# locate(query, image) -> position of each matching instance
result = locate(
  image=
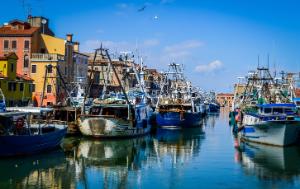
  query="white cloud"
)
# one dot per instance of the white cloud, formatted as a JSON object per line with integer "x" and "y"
{"x": 151, "y": 42}
{"x": 90, "y": 45}
{"x": 180, "y": 50}
{"x": 210, "y": 67}
{"x": 183, "y": 46}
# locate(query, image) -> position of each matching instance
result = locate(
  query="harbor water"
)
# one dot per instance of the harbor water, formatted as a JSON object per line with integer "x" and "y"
{"x": 206, "y": 157}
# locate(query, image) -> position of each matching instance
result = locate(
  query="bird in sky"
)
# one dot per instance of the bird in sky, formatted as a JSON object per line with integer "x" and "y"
{"x": 142, "y": 8}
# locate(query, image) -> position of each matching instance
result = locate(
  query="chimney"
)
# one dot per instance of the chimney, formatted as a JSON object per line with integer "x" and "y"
{"x": 76, "y": 46}
{"x": 69, "y": 37}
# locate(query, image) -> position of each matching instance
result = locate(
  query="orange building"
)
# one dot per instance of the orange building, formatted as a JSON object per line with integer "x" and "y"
{"x": 39, "y": 50}
{"x": 23, "y": 38}
{"x": 225, "y": 99}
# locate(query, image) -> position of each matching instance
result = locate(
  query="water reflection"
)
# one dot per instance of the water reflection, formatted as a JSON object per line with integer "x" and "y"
{"x": 108, "y": 161}
{"x": 210, "y": 121}
{"x": 179, "y": 143}
{"x": 38, "y": 171}
{"x": 268, "y": 162}
{"x": 109, "y": 164}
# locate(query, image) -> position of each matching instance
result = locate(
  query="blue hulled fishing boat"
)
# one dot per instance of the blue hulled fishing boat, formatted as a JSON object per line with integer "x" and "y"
{"x": 178, "y": 117}
{"x": 178, "y": 104}
{"x": 211, "y": 103}
{"x": 22, "y": 134}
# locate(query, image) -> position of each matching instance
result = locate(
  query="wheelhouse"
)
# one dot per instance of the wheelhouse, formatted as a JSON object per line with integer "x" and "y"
{"x": 277, "y": 109}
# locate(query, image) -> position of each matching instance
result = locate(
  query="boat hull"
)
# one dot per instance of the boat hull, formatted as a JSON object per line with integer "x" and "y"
{"x": 16, "y": 145}
{"x": 167, "y": 119}
{"x": 278, "y": 133}
{"x": 101, "y": 127}
{"x": 213, "y": 108}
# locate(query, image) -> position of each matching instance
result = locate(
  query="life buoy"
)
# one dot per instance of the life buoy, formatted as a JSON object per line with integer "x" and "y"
{"x": 20, "y": 123}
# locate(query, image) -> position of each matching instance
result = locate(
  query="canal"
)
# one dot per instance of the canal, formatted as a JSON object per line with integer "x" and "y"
{"x": 207, "y": 157}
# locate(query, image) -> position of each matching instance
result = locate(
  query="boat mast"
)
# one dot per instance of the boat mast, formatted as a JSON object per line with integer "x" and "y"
{"x": 105, "y": 82}
{"x": 87, "y": 91}
{"x": 119, "y": 81}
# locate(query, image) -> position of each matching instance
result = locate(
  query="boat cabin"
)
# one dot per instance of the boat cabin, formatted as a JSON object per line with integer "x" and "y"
{"x": 111, "y": 110}
{"x": 13, "y": 122}
{"x": 277, "y": 109}
{"x": 28, "y": 121}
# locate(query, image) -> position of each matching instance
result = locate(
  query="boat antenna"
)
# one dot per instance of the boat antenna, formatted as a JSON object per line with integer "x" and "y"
{"x": 91, "y": 78}
{"x": 258, "y": 61}
{"x": 119, "y": 81}
{"x": 268, "y": 61}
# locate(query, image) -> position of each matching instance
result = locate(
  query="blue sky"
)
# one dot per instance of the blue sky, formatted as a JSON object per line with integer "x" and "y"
{"x": 216, "y": 40}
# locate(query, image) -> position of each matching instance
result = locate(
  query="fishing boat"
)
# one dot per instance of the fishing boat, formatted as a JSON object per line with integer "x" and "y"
{"x": 172, "y": 113}
{"x": 25, "y": 132}
{"x": 213, "y": 107}
{"x": 120, "y": 116}
{"x": 178, "y": 105}
{"x": 267, "y": 114}
{"x": 211, "y": 103}
{"x": 274, "y": 124}
{"x": 115, "y": 119}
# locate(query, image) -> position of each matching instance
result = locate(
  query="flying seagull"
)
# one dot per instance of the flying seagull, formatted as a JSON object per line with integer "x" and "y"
{"x": 142, "y": 8}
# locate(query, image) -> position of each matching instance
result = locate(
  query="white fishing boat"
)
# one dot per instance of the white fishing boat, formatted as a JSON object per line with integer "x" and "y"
{"x": 107, "y": 120}
{"x": 273, "y": 124}
{"x": 122, "y": 116}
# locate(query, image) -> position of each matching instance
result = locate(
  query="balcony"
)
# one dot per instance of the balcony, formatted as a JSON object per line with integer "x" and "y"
{"x": 42, "y": 57}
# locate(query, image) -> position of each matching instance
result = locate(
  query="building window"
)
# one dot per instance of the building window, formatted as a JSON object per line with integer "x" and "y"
{"x": 6, "y": 44}
{"x": 49, "y": 69}
{"x": 21, "y": 86}
{"x": 33, "y": 68}
{"x": 49, "y": 88}
{"x": 14, "y": 44}
{"x": 11, "y": 67}
{"x": 26, "y": 61}
{"x": 26, "y": 45}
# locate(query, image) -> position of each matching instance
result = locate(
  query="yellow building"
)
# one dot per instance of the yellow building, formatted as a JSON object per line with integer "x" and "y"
{"x": 16, "y": 88}
{"x": 52, "y": 58}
